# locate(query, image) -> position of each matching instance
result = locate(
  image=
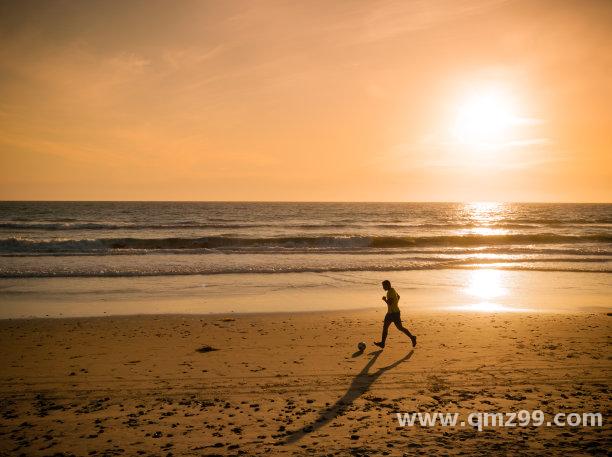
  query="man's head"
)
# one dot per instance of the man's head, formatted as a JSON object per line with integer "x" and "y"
{"x": 386, "y": 284}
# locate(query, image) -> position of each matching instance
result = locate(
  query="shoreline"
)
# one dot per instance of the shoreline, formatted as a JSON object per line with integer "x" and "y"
{"x": 399, "y": 269}
{"x": 222, "y": 315}
{"x": 198, "y": 315}
{"x": 487, "y": 290}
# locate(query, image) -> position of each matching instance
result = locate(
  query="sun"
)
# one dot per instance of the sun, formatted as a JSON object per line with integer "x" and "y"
{"x": 485, "y": 118}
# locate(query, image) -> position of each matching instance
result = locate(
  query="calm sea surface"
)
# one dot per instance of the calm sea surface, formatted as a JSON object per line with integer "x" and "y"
{"x": 90, "y": 239}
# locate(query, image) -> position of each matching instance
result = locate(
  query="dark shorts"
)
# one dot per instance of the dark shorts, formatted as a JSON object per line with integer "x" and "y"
{"x": 393, "y": 318}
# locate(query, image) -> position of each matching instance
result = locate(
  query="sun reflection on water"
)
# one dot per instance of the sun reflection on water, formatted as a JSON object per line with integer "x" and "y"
{"x": 485, "y": 286}
{"x": 486, "y": 307}
{"x": 482, "y": 218}
{"x": 486, "y": 231}
{"x": 485, "y": 212}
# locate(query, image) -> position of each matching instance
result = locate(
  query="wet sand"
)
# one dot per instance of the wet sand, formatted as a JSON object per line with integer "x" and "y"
{"x": 292, "y": 384}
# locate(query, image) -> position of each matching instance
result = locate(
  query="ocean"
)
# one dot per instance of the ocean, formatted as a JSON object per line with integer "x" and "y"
{"x": 124, "y": 239}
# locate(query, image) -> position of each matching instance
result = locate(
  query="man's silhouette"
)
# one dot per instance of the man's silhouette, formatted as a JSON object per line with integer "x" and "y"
{"x": 393, "y": 315}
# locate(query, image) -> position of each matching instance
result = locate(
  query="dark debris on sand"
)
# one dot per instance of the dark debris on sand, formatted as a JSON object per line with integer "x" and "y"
{"x": 206, "y": 348}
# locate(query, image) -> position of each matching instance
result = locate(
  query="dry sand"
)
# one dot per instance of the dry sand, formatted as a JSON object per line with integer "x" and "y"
{"x": 291, "y": 384}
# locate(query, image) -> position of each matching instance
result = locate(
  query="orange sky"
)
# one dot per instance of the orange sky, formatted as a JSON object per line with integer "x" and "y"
{"x": 312, "y": 100}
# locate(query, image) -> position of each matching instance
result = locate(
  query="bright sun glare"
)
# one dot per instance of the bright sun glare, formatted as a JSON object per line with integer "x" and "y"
{"x": 485, "y": 118}
{"x": 486, "y": 284}
{"x": 487, "y": 287}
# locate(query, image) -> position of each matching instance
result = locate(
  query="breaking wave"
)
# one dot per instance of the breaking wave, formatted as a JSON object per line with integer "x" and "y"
{"x": 109, "y": 245}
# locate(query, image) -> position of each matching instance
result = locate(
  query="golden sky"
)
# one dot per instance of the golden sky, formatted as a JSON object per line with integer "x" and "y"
{"x": 424, "y": 100}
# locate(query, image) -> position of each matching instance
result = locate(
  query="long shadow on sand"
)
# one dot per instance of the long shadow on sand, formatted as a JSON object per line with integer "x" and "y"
{"x": 361, "y": 384}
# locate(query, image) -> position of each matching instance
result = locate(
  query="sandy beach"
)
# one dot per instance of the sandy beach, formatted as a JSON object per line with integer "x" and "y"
{"x": 292, "y": 384}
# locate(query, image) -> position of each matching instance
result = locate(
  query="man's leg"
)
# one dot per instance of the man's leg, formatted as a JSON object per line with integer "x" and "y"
{"x": 401, "y": 328}
{"x": 385, "y": 332}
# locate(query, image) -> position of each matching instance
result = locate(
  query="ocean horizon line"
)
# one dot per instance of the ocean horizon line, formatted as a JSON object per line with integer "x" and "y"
{"x": 465, "y": 202}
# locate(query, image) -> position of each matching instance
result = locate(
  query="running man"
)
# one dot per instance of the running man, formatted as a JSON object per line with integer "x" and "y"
{"x": 393, "y": 315}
